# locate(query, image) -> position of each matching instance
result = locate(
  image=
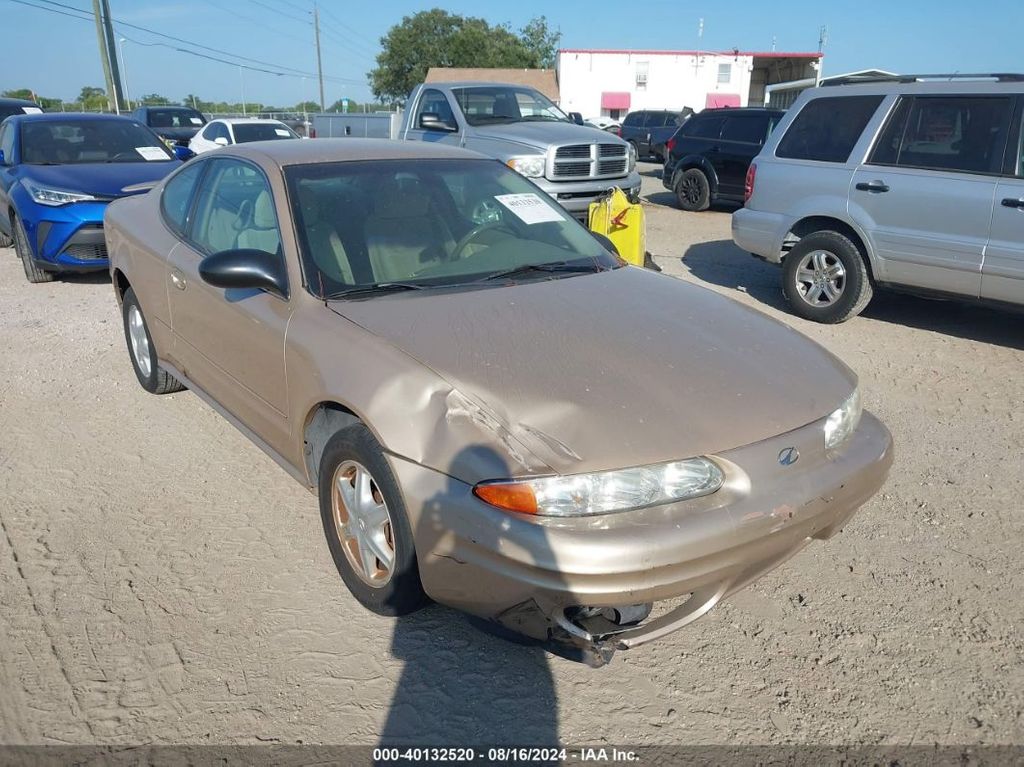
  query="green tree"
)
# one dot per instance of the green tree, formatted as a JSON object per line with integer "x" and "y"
{"x": 308, "y": 106}
{"x": 541, "y": 41}
{"x": 436, "y": 38}
{"x": 154, "y": 100}
{"x": 93, "y": 99}
{"x": 29, "y": 95}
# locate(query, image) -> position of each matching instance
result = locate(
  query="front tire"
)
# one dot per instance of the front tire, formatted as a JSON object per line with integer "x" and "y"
{"x": 825, "y": 278}
{"x": 32, "y": 272}
{"x": 152, "y": 377}
{"x": 693, "y": 192}
{"x": 366, "y": 524}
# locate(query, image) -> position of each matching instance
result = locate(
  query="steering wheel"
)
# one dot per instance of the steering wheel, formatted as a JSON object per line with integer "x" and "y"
{"x": 475, "y": 233}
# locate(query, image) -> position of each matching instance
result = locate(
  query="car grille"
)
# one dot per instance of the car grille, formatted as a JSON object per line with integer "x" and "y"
{"x": 86, "y": 252}
{"x": 582, "y": 161}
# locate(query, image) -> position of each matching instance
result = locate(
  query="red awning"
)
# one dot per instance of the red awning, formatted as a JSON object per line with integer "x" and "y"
{"x": 715, "y": 100}
{"x": 611, "y": 100}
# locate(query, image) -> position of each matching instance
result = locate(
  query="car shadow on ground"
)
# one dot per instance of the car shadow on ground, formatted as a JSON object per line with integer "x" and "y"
{"x": 85, "y": 278}
{"x": 667, "y": 199}
{"x": 720, "y": 262}
{"x": 459, "y": 684}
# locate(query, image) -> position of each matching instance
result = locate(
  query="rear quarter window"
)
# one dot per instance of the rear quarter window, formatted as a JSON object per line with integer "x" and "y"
{"x": 827, "y": 129}
{"x": 176, "y": 200}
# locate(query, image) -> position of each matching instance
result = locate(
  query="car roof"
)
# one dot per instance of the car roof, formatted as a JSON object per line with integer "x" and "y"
{"x": 741, "y": 110}
{"x": 169, "y": 106}
{"x": 247, "y": 121}
{"x": 282, "y": 153}
{"x": 921, "y": 87}
{"x": 477, "y": 83}
{"x": 56, "y": 117}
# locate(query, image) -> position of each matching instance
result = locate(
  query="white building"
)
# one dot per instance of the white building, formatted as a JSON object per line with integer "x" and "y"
{"x": 610, "y": 83}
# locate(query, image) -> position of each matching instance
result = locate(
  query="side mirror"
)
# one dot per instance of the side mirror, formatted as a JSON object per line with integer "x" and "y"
{"x": 245, "y": 268}
{"x": 576, "y": 117}
{"x": 220, "y": 141}
{"x": 183, "y": 153}
{"x": 433, "y": 121}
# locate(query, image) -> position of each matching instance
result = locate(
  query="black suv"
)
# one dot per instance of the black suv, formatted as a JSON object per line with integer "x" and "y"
{"x": 10, "y": 107}
{"x": 175, "y": 124}
{"x": 648, "y": 129}
{"x": 708, "y": 157}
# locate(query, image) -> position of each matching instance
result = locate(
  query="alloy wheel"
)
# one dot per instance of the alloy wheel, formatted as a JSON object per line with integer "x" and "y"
{"x": 139, "y": 341}
{"x": 363, "y": 523}
{"x": 820, "y": 278}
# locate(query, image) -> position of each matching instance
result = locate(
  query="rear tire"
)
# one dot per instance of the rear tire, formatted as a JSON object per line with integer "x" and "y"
{"x": 141, "y": 350}
{"x": 381, "y": 570}
{"x": 32, "y": 272}
{"x": 825, "y": 278}
{"x": 693, "y": 192}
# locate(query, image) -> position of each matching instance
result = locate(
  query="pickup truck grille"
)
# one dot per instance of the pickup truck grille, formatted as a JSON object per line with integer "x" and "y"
{"x": 583, "y": 161}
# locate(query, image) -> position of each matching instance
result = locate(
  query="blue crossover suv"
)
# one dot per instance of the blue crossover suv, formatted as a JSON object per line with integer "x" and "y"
{"x": 58, "y": 171}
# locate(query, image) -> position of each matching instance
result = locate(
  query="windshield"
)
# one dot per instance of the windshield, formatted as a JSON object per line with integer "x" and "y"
{"x": 431, "y": 223}
{"x": 487, "y": 105}
{"x": 246, "y": 132}
{"x": 175, "y": 118}
{"x": 117, "y": 139}
{"x": 6, "y": 110}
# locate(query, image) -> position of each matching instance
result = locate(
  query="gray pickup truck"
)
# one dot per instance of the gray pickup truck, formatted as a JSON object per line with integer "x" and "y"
{"x": 524, "y": 129}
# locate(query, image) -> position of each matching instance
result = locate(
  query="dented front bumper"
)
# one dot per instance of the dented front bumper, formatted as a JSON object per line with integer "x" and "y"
{"x": 533, "y": 574}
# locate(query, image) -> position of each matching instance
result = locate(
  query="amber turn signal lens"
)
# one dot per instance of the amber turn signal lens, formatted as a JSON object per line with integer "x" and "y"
{"x": 510, "y": 497}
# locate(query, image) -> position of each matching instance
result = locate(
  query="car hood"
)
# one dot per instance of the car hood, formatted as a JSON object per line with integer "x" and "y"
{"x": 100, "y": 179}
{"x": 543, "y": 134}
{"x": 614, "y": 369}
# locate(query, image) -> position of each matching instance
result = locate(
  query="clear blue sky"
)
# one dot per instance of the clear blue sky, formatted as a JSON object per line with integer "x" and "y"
{"x": 56, "y": 55}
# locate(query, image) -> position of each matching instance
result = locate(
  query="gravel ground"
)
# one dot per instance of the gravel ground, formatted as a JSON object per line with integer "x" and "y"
{"x": 162, "y": 581}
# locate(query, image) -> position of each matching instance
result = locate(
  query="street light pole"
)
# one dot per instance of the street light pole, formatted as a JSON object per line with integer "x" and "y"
{"x": 124, "y": 73}
{"x": 241, "y": 76}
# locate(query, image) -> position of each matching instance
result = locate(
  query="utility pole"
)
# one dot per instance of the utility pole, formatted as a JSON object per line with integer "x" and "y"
{"x": 319, "y": 68}
{"x": 104, "y": 56}
{"x": 115, "y": 74}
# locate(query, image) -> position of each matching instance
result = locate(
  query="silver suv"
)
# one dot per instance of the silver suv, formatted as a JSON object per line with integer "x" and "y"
{"x": 913, "y": 182}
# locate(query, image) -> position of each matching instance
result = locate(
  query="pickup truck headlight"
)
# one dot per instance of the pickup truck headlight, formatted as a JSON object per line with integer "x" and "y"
{"x": 842, "y": 421}
{"x": 54, "y": 197}
{"x": 632, "y": 159}
{"x": 581, "y": 495}
{"x": 531, "y": 167}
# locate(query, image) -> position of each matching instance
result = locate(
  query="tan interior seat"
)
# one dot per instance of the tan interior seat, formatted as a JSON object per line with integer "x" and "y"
{"x": 403, "y": 236}
{"x": 325, "y": 245}
{"x": 257, "y": 225}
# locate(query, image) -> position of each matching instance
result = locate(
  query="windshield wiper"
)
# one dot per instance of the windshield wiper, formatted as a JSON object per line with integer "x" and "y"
{"x": 557, "y": 267}
{"x": 381, "y": 287}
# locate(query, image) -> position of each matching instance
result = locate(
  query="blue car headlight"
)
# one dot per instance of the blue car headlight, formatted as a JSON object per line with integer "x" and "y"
{"x": 54, "y": 197}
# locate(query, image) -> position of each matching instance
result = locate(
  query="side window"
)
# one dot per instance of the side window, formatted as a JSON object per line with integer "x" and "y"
{"x": 7, "y": 143}
{"x": 434, "y": 102}
{"x": 827, "y": 128}
{"x": 223, "y": 132}
{"x": 633, "y": 119}
{"x": 750, "y": 130}
{"x": 958, "y": 133}
{"x": 210, "y": 131}
{"x": 709, "y": 127}
{"x": 176, "y": 199}
{"x": 235, "y": 209}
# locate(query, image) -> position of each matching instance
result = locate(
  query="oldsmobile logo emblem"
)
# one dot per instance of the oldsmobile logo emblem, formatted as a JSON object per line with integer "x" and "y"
{"x": 789, "y": 456}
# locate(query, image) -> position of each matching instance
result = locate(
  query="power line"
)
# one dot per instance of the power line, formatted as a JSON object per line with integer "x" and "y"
{"x": 279, "y": 69}
{"x": 279, "y": 11}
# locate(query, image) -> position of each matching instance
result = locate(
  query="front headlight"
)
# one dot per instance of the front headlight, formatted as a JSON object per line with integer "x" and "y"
{"x": 54, "y": 197}
{"x": 632, "y": 158}
{"x": 581, "y": 495}
{"x": 531, "y": 167}
{"x": 842, "y": 422}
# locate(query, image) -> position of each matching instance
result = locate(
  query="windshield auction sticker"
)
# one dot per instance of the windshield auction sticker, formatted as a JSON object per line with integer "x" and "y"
{"x": 151, "y": 152}
{"x": 530, "y": 208}
{"x": 282, "y": 132}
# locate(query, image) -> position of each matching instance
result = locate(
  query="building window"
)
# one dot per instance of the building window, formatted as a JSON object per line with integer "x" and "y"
{"x": 725, "y": 73}
{"x": 641, "y": 75}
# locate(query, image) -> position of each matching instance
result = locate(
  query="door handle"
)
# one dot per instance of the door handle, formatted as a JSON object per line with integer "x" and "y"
{"x": 177, "y": 280}
{"x": 1013, "y": 202}
{"x": 872, "y": 186}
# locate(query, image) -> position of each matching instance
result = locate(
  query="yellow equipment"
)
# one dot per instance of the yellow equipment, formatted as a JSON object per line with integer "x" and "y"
{"x": 621, "y": 221}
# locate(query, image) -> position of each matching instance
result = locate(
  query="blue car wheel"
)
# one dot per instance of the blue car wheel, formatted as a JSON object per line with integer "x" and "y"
{"x": 32, "y": 272}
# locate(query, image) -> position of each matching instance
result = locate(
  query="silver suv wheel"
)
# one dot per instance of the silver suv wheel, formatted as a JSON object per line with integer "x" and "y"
{"x": 820, "y": 278}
